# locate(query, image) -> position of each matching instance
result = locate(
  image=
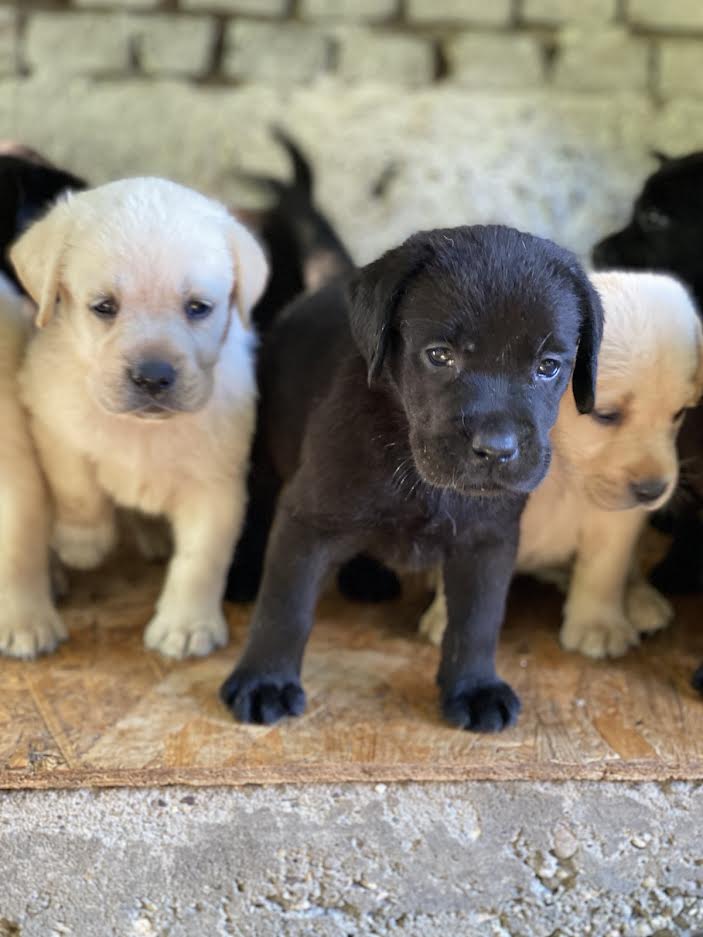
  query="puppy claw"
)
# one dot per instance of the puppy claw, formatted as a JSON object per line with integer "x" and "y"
{"x": 262, "y": 698}
{"x": 609, "y": 634}
{"x": 488, "y": 708}
{"x": 30, "y": 629}
{"x": 83, "y": 547}
{"x": 195, "y": 637}
{"x": 647, "y": 609}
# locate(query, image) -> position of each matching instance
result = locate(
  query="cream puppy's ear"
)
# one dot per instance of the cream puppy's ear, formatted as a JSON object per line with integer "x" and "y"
{"x": 37, "y": 257}
{"x": 251, "y": 269}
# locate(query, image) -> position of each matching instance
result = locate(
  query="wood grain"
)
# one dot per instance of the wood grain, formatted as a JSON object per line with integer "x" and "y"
{"x": 103, "y": 711}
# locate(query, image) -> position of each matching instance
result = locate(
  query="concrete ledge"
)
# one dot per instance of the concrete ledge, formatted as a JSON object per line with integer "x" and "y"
{"x": 523, "y": 859}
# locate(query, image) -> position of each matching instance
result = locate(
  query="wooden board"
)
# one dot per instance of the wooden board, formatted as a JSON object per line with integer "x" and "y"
{"x": 103, "y": 711}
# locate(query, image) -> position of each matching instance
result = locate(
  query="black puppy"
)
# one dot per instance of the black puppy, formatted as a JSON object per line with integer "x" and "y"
{"x": 665, "y": 234}
{"x": 406, "y": 411}
{"x": 28, "y": 185}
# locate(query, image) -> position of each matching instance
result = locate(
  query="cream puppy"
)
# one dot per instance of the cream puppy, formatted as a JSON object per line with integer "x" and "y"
{"x": 611, "y": 467}
{"x": 29, "y": 623}
{"x": 141, "y": 382}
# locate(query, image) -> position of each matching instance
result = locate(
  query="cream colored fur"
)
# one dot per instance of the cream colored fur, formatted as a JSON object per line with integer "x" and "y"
{"x": 581, "y": 526}
{"x": 29, "y": 624}
{"x": 150, "y": 244}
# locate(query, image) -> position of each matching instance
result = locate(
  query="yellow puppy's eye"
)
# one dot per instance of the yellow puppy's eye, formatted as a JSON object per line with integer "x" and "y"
{"x": 607, "y": 417}
{"x": 106, "y": 308}
{"x": 198, "y": 308}
{"x": 677, "y": 416}
{"x": 440, "y": 356}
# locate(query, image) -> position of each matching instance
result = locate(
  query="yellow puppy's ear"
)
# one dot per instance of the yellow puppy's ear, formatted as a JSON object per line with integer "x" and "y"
{"x": 251, "y": 269}
{"x": 37, "y": 258}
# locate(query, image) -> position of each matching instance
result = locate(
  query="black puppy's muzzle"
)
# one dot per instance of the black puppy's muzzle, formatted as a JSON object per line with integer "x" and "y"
{"x": 153, "y": 377}
{"x": 494, "y": 445}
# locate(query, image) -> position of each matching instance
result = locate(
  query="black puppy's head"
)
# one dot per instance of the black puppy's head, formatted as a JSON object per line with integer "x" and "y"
{"x": 666, "y": 227}
{"x": 477, "y": 331}
{"x": 27, "y": 189}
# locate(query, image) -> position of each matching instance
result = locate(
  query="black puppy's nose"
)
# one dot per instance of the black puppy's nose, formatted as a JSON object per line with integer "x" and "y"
{"x": 648, "y": 490}
{"x": 153, "y": 376}
{"x": 499, "y": 445}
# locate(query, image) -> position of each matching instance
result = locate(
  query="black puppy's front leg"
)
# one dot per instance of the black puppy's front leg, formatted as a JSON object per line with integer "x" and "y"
{"x": 476, "y": 582}
{"x": 265, "y": 685}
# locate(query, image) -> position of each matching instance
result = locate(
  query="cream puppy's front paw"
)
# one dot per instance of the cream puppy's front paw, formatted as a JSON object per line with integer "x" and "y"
{"x": 434, "y": 621}
{"x": 647, "y": 609}
{"x": 178, "y": 634}
{"x": 603, "y": 632}
{"x": 29, "y": 626}
{"x": 82, "y": 546}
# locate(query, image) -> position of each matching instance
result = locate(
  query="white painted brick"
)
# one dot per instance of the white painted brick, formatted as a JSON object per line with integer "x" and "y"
{"x": 277, "y": 53}
{"x": 681, "y": 67}
{"x": 568, "y": 11}
{"x": 666, "y": 14}
{"x": 363, "y": 10}
{"x": 607, "y": 60}
{"x": 124, "y": 4}
{"x": 8, "y": 40}
{"x": 255, "y": 7}
{"x": 72, "y": 43}
{"x": 177, "y": 45}
{"x": 378, "y": 56}
{"x": 488, "y": 12}
{"x": 490, "y": 61}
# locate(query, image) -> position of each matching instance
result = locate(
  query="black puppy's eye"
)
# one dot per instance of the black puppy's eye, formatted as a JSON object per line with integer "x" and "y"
{"x": 677, "y": 416}
{"x": 440, "y": 356}
{"x": 607, "y": 417}
{"x": 198, "y": 308}
{"x": 105, "y": 308}
{"x": 548, "y": 368}
{"x": 650, "y": 219}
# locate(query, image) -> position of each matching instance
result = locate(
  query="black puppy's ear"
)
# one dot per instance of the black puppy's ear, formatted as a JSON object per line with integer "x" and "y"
{"x": 583, "y": 380}
{"x": 374, "y": 293}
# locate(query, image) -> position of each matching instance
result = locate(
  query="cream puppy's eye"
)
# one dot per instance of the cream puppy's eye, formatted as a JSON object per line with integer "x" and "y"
{"x": 677, "y": 416}
{"x": 106, "y": 308}
{"x": 198, "y": 308}
{"x": 440, "y": 356}
{"x": 607, "y": 417}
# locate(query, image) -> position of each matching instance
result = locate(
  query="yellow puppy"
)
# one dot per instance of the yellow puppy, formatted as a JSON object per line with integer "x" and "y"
{"x": 141, "y": 383}
{"x": 611, "y": 467}
{"x": 29, "y": 623}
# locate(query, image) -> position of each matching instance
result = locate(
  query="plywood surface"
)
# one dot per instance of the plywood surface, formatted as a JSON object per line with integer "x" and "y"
{"x": 104, "y": 711}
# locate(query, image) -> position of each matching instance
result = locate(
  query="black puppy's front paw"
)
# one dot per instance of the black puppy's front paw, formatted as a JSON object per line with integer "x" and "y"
{"x": 697, "y": 680}
{"x": 263, "y": 698}
{"x": 490, "y": 707}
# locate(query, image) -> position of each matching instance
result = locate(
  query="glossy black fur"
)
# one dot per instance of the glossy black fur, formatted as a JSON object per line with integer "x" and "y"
{"x": 27, "y": 189}
{"x": 376, "y": 451}
{"x": 665, "y": 234}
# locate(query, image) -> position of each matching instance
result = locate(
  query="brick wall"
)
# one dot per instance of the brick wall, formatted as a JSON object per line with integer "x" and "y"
{"x": 538, "y": 112}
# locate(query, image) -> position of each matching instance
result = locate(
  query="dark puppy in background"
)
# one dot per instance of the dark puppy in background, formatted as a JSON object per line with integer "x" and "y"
{"x": 405, "y": 412}
{"x": 665, "y": 234}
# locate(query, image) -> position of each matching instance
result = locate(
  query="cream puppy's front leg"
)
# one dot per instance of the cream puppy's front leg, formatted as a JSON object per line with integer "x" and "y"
{"x": 595, "y": 618}
{"x": 84, "y": 528}
{"x": 189, "y": 618}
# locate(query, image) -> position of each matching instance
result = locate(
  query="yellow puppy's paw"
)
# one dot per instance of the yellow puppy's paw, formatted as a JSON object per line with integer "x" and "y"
{"x": 434, "y": 621}
{"x": 605, "y": 633}
{"x": 181, "y": 635}
{"x": 647, "y": 609}
{"x": 81, "y": 546}
{"x": 29, "y": 626}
